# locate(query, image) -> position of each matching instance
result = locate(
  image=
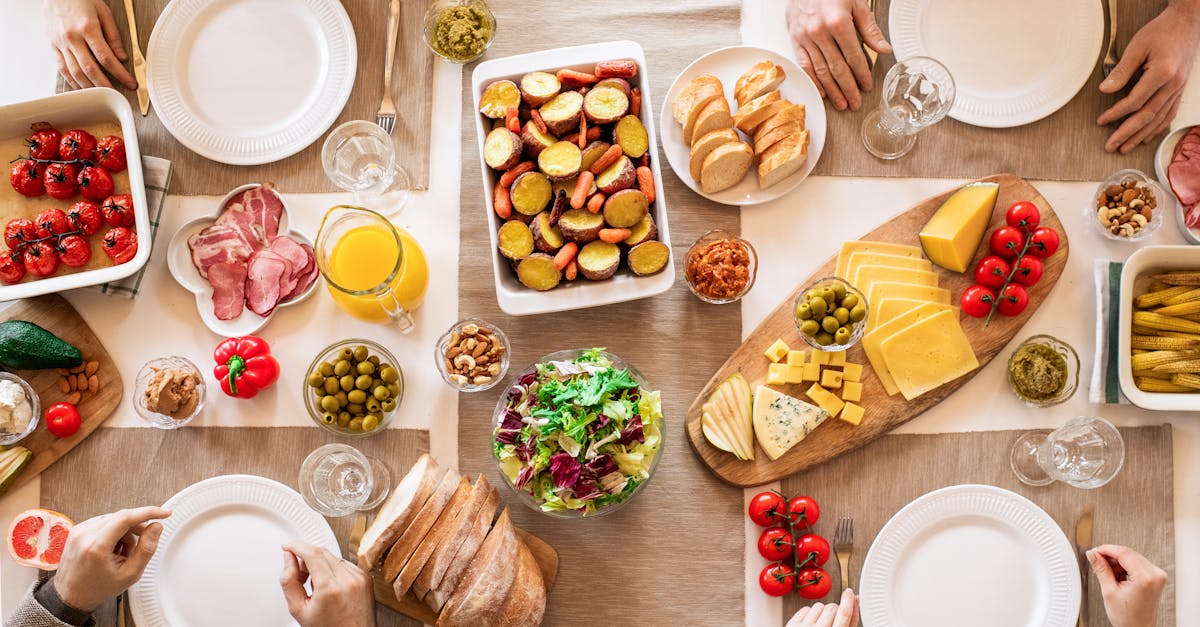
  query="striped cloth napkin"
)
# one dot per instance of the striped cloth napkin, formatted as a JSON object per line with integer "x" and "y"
{"x": 157, "y": 174}
{"x": 1106, "y": 387}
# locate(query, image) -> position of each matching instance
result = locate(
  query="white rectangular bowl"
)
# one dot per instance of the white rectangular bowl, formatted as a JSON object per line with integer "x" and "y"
{"x": 77, "y": 109}
{"x": 514, "y": 298}
{"x": 1135, "y": 275}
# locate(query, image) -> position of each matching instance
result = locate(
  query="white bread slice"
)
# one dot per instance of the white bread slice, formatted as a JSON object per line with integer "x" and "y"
{"x": 699, "y": 87}
{"x": 715, "y": 115}
{"x": 451, "y": 539}
{"x": 421, "y": 524}
{"x": 792, "y": 113}
{"x": 446, "y": 522}
{"x": 783, "y": 131}
{"x": 398, "y": 511}
{"x": 725, "y": 167}
{"x": 782, "y": 160}
{"x": 526, "y": 603}
{"x": 761, "y": 78}
{"x": 755, "y": 112}
{"x": 705, "y": 106}
{"x": 442, "y": 590}
{"x": 705, "y": 144}
{"x": 489, "y": 579}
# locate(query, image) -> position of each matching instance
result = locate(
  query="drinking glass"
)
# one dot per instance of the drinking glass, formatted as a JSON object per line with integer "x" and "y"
{"x": 359, "y": 157}
{"x": 337, "y": 480}
{"x": 1087, "y": 452}
{"x": 917, "y": 93}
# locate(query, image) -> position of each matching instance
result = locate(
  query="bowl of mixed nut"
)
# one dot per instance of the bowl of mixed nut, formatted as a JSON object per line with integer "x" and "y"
{"x": 1127, "y": 206}
{"x": 472, "y": 355}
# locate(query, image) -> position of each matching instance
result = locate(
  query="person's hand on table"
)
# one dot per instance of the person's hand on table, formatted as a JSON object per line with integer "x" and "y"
{"x": 1164, "y": 50}
{"x": 107, "y": 554}
{"x": 342, "y": 592}
{"x": 86, "y": 43}
{"x": 825, "y": 35}
{"x": 1130, "y": 584}
{"x": 841, "y": 614}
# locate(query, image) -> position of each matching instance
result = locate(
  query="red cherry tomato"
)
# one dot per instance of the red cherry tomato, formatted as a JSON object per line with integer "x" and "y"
{"x": 1029, "y": 271}
{"x": 11, "y": 268}
{"x": 1007, "y": 242}
{"x": 52, "y": 222}
{"x": 74, "y": 251}
{"x": 813, "y": 549}
{"x": 777, "y": 579}
{"x": 813, "y": 582}
{"x": 61, "y": 180}
{"x": 95, "y": 183}
{"x": 1044, "y": 242}
{"x": 41, "y": 259}
{"x": 1013, "y": 300}
{"x": 85, "y": 217}
{"x": 1024, "y": 215}
{"x": 804, "y": 510}
{"x": 62, "y": 420}
{"x": 992, "y": 271}
{"x": 110, "y": 153}
{"x": 77, "y": 144}
{"x": 118, "y": 210}
{"x": 120, "y": 244}
{"x": 43, "y": 143}
{"x": 977, "y": 301}
{"x": 19, "y": 232}
{"x": 767, "y": 508}
{"x": 775, "y": 544}
{"x": 26, "y": 178}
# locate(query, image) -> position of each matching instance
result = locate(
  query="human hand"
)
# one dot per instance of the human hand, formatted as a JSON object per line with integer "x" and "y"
{"x": 825, "y": 36}
{"x": 342, "y": 592}
{"x": 86, "y": 42}
{"x": 1130, "y": 584}
{"x": 107, "y": 554}
{"x": 844, "y": 613}
{"x": 1164, "y": 50}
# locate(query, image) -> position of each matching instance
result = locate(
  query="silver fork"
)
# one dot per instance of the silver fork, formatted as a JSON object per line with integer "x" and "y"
{"x": 843, "y": 545}
{"x": 386, "y": 118}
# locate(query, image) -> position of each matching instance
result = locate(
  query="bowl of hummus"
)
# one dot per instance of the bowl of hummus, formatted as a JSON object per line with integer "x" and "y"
{"x": 169, "y": 392}
{"x": 19, "y": 409}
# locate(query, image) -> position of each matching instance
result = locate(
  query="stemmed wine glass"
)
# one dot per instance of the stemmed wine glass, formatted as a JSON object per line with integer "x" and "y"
{"x": 336, "y": 480}
{"x": 1087, "y": 452}
{"x": 917, "y": 93}
{"x": 359, "y": 157}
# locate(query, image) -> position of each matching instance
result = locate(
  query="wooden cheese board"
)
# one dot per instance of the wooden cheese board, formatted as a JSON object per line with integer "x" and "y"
{"x": 883, "y": 412}
{"x": 55, "y": 314}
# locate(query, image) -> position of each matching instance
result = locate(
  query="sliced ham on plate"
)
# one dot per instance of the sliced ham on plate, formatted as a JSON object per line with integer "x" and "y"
{"x": 264, "y": 281}
{"x": 1183, "y": 174}
{"x": 229, "y": 289}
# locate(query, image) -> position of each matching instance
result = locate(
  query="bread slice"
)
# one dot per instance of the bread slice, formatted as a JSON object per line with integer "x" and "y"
{"x": 700, "y": 87}
{"x": 761, "y": 78}
{"x": 715, "y": 115}
{"x": 783, "y": 131}
{"x": 704, "y": 106}
{"x": 442, "y": 590}
{"x": 725, "y": 167}
{"x": 783, "y": 159}
{"x": 452, "y": 537}
{"x": 705, "y": 144}
{"x": 489, "y": 578}
{"x": 446, "y": 522}
{"x": 791, "y": 113}
{"x": 526, "y": 603}
{"x": 755, "y": 112}
{"x": 421, "y": 524}
{"x": 398, "y": 511}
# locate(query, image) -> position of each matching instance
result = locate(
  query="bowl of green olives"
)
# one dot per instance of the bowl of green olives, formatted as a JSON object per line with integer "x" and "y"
{"x": 831, "y": 314}
{"x": 353, "y": 388}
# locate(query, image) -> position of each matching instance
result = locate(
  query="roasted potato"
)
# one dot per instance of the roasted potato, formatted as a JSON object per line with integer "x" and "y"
{"x": 580, "y": 225}
{"x": 538, "y": 88}
{"x": 568, "y": 186}
{"x": 648, "y": 258}
{"x": 644, "y": 231}
{"x": 546, "y": 237}
{"x": 534, "y": 141}
{"x": 560, "y": 161}
{"x": 616, "y": 177}
{"x": 631, "y": 135}
{"x": 619, "y": 83}
{"x": 537, "y": 272}
{"x": 599, "y": 260}
{"x": 593, "y": 152}
{"x": 561, "y": 113}
{"x": 515, "y": 240}
{"x": 626, "y": 208}
{"x": 530, "y": 193}
{"x": 604, "y": 105}
{"x": 498, "y": 97}
{"x": 502, "y": 149}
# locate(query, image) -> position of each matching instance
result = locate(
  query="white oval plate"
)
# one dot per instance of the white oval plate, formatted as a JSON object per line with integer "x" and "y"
{"x": 179, "y": 260}
{"x": 972, "y": 554}
{"x": 1013, "y": 62}
{"x": 246, "y": 82}
{"x": 219, "y": 558}
{"x": 728, "y": 64}
{"x": 1162, "y": 159}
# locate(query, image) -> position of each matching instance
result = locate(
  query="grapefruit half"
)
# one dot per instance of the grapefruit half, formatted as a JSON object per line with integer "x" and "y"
{"x": 36, "y": 538}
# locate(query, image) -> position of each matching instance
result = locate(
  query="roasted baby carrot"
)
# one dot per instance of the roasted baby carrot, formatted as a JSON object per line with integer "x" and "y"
{"x": 565, "y": 255}
{"x": 609, "y": 157}
{"x": 615, "y": 236}
{"x": 571, "y": 271}
{"x": 635, "y": 101}
{"x": 575, "y": 78}
{"x": 583, "y": 131}
{"x": 593, "y": 133}
{"x": 512, "y": 120}
{"x": 506, "y": 179}
{"x": 646, "y": 183}
{"x": 596, "y": 202}
{"x": 619, "y": 68}
{"x": 536, "y": 116}
{"x": 583, "y": 185}
{"x": 501, "y": 202}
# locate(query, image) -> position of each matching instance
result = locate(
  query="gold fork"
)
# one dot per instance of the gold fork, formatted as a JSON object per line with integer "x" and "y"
{"x": 356, "y": 534}
{"x": 843, "y": 545}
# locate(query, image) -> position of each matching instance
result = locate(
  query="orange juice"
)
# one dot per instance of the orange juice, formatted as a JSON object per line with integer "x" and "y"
{"x": 361, "y": 262}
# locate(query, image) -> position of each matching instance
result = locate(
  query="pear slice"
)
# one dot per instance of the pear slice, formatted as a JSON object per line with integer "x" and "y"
{"x": 727, "y": 419}
{"x": 711, "y": 426}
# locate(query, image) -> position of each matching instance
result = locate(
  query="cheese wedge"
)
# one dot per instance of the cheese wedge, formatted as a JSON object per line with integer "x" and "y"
{"x": 954, "y": 232}
{"x": 890, "y": 308}
{"x": 872, "y": 340}
{"x": 928, "y": 353}
{"x": 780, "y": 421}
{"x": 862, "y": 246}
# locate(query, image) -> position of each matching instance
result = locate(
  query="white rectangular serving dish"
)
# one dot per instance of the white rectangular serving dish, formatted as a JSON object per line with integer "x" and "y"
{"x": 1135, "y": 275}
{"x": 514, "y": 298}
{"x": 77, "y": 109}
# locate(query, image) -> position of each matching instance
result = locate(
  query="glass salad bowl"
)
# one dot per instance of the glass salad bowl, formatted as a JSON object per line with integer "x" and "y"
{"x": 607, "y": 462}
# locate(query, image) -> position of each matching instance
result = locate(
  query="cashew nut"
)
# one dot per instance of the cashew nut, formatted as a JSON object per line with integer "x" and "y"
{"x": 464, "y": 361}
{"x": 470, "y": 329}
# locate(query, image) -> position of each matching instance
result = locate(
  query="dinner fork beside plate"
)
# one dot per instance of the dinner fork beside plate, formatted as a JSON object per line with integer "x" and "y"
{"x": 386, "y": 118}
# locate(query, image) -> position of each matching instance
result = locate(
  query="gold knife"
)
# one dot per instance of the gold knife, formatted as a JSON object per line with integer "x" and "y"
{"x": 139, "y": 62}
{"x": 1110, "y": 53}
{"x": 1083, "y": 542}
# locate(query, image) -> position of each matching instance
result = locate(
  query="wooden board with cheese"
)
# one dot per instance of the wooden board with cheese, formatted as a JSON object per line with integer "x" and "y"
{"x": 911, "y": 301}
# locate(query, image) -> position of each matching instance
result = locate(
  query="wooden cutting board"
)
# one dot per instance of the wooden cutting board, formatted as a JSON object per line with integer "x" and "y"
{"x": 412, "y": 607}
{"x": 55, "y": 314}
{"x": 883, "y": 412}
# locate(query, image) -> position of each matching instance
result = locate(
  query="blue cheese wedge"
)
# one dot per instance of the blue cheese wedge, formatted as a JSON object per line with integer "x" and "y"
{"x": 781, "y": 421}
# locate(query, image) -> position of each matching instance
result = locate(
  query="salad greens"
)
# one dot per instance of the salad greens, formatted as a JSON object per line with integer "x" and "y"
{"x": 578, "y": 435}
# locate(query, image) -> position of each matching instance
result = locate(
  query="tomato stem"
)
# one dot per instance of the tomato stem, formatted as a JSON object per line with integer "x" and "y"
{"x": 1007, "y": 280}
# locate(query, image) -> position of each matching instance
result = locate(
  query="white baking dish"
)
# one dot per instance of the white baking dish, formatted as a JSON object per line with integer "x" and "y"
{"x": 514, "y": 298}
{"x": 65, "y": 111}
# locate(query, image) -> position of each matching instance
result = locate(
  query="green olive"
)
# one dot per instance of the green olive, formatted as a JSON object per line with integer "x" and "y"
{"x": 818, "y": 307}
{"x": 394, "y": 388}
{"x": 803, "y": 311}
{"x": 811, "y": 294}
{"x": 363, "y": 382}
{"x": 850, "y": 301}
{"x": 330, "y": 385}
{"x": 374, "y": 359}
{"x": 829, "y": 324}
{"x": 315, "y": 379}
{"x": 381, "y": 392}
{"x": 839, "y": 290}
{"x": 370, "y": 422}
{"x": 355, "y": 424}
{"x": 343, "y": 419}
{"x": 373, "y": 405}
{"x": 389, "y": 374}
{"x": 341, "y": 399}
{"x": 356, "y": 408}
{"x": 365, "y": 367}
{"x": 857, "y": 313}
{"x": 357, "y": 397}
{"x": 828, "y": 295}
{"x": 346, "y": 354}
{"x": 329, "y": 418}
{"x": 842, "y": 336}
{"x": 325, "y": 369}
{"x": 810, "y": 327}
{"x": 342, "y": 367}
{"x": 376, "y": 382}
{"x": 361, "y": 353}
{"x": 842, "y": 314}
{"x": 330, "y": 404}
{"x": 823, "y": 339}
{"x": 347, "y": 383}
{"x": 387, "y": 405}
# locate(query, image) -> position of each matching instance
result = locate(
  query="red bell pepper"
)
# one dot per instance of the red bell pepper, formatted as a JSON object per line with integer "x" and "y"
{"x": 245, "y": 366}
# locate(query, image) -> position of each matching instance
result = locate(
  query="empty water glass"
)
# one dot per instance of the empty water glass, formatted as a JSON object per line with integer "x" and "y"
{"x": 917, "y": 93}
{"x": 337, "y": 480}
{"x": 1087, "y": 452}
{"x": 359, "y": 157}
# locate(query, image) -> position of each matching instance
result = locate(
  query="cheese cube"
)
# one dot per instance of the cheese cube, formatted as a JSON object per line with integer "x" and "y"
{"x": 851, "y": 372}
{"x": 954, "y": 232}
{"x": 837, "y": 358}
{"x": 797, "y": 358}
{"x": 852, "y": 414}
{"x": 812, "y": 371}
{"x": 777, "y": 351}
{"x": 831, "y": 379}
{"x": 927, "y": 354}
{"x": 851, "y": 391}
{"x": 820, "y": 358}
{"x": 832, "y": 404}
{"x": 795, "y": 374}
{"x": 817, "y": 393}
{"x": 777, "y": 374}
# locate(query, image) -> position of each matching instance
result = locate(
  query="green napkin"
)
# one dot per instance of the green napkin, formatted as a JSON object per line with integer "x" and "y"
{"x": 1105, "y": 386}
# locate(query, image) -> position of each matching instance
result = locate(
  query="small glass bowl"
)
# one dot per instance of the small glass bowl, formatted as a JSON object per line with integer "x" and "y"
{"x": 430, "y": 22}
{"x": 35, "y": 408}
{"x": 1162, "y": 201}
{"x": 328, "y": 354}
{"x": 1068, "y": 354}
{"x": 443, "y": 345}
{"x": 163, "y": 421}
{"x": 712, "y": 236}
{"x": 857, "y": 329}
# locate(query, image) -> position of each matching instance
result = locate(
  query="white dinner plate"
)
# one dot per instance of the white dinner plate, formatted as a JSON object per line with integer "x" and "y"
{"x": 970, "y": 555}
{"x": 246, "y": 82}
{"x": 1162, "y": 161}
{"x": 1013, "y": 62}
{"x": 219, "y": 558}
{"x": 728, "y": 64}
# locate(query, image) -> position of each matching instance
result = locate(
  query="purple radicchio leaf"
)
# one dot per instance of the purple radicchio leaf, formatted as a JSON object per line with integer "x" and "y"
{"x": 523, "y": 477}
{"x": 599, "y": 423}
{"x": 527, "y": 379}
{"x": 514, "y": 394}
{"x": 524, "y": 450}
{"x": 601, "y": 465}
{"x": 564, "y": 470}
{"x": 510, "y": 427}
{"x": 632, "y": 432}
{"x": 586, "y": 489}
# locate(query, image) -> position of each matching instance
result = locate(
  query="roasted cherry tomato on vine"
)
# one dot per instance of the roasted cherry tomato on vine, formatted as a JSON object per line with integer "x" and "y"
{"x": 95, "y": 183}
{"x": 19, "y": 232}
{"x": 1013, "y": 300}
{"x": 52, "y": 222}
{"x": 767, "y": 508}
{"x": 110, "y": 153}
{"x": 40, "y": 259}
{"x": 1007, "y": 242}
{"x": 85, "y": 217}
{"x": 777, "y": 579}
{"x": 1024, "y": 215}
{"x": 814, "y": 547}
{"x": 775, "y": 544}
{"x": 43, "y": 143}
{"x": 118, "y": 210}
{"x": 26, "y": 178}
{"x": 804, "y": 510}
{"x": 62, "y": 420}
{"x": 12, "y": 269}
{"x": 977, "y": 301}
{"x": 813, "y": 582}
{"x": 1044, "y": 242}
{"x": 77, "y": 145}
{"x": 1029, "y": 271}
{"x": 74, "y": 251}
{"x": 120, "y": 244}
{"x": 992, "y": 271}
{"x": 61, "y": 180}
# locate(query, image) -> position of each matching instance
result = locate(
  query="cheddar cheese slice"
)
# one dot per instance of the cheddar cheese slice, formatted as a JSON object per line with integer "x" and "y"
{"x": 866, "y": 276}
{"x": 885, "y": 290}
{"x": 860, "y": 259}
{"x": 860, "y": 246}
{"x": 872, "y": 340}
{"x": 890, "y": 308}
{"x": 928, "y": 353}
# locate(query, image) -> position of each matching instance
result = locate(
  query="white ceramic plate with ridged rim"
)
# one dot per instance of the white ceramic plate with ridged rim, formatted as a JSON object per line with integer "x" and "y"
{"x": 973, "y": 551}
{"x": 1162, "y": 161}
{"x": 728, "y": 64}
{"x": 220, "y": 555}
{"x": 179, "y": 260}
{"x": 1013, "y": 62}
{"x": 247, "y": 82}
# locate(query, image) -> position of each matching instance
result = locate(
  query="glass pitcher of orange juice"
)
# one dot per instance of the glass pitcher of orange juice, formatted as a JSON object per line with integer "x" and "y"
{"x": 375, "y": 270}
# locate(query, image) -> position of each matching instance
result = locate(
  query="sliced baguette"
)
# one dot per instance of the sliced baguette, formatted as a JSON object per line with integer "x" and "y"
{"x": 421, "y": 524}
{"x": 761, "y": 78}
{"x": 783, "y": 159}
{"x": 755, "y": 112}
{"x": 446, "y": 523}
{"x": 701, "y": 106}
{"x": 398, "y": 511}
{"x": 792, "y": 113}
{"x": 488, "y": 580}
{"x": 777, "y": 134}
{"x": 441, "y": 590}
{"x": 714, "y": 116}
{"x": 700, "y": 87}
{"x": 452, "y": 538}
{"x": 725, "y": 167}
{"x": 526, "y": 602}
{"x": 705, "y": 144}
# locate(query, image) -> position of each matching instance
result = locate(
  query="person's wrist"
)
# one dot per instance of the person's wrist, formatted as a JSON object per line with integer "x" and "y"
{"x": 66, "y": 609}
{"x": 74, "y": 598}
{"x": 1186, "y": 11}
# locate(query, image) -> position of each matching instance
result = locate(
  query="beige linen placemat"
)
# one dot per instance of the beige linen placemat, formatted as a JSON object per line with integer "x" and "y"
{"x": 412, "y": 85}
{"x": 118, "y": 468}
{"x": 674, "y": 554}
{"x": 872, "y": 483}
{"x": 1065, "y": 146}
